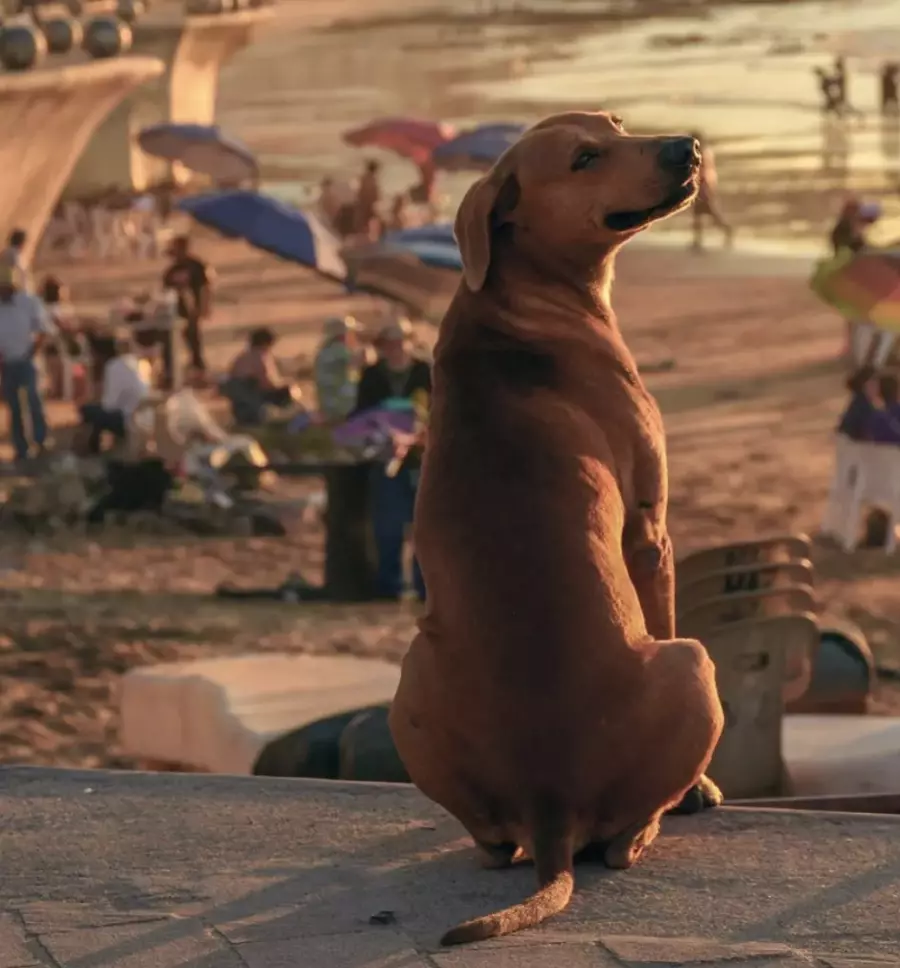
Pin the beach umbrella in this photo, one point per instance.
(478, 148)
(408, 137)
(400, 275)
(202, 148)
(272, 226)
(441, 233)
(436, 255)
(863, 285)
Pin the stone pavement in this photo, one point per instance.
(157, 871)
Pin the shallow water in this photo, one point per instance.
(741, 74)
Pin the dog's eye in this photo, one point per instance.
(586, 158)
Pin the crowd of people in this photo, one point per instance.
(834, 88)
(363, 212)
(132, 365)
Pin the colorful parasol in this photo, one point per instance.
(408, 137)
(862, 285)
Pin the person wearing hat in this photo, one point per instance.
(126, 385)
(336, 368)
(395, 375)
(24, 327)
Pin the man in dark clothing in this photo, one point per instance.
(395, 375)
(191, 280)
(890, 99)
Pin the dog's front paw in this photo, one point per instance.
(702, 796)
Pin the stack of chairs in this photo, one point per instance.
(754, 608)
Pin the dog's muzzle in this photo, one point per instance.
(679, 155)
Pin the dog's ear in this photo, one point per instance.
(483, 209)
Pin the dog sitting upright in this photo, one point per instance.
(545, 701)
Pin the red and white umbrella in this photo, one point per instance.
(410, 138)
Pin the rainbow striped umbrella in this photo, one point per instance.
(862, 285)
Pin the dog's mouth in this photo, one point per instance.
(628, 221)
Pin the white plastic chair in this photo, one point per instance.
(876, 482)
(847, 455)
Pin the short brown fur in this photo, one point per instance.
(545, 701)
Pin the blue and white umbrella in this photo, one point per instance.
(440, 233)
(479, 147)
(436, 255)
(270, 225)
(202, 148)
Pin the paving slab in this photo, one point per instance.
(123, 869)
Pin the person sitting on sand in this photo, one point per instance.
(399, 215)
(336, 369)
(856, 419)
(126, 385)
(254, 381)
(706, 204)
(329, 202)
(884, 421)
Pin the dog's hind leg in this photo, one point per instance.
(702, 796)
(625, 850)
(498, 856)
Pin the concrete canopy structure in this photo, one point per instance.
(193, 49)
(47, 116)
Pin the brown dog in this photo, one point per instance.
(545, 701)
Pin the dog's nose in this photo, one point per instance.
(679, 153)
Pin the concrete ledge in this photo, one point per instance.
(121, 869)
(218, 714)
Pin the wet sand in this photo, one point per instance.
(741, 73)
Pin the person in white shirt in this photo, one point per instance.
(24, 326)
(126, 385)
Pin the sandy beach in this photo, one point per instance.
(750, 406)
(750, 402)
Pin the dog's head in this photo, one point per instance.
(576, 183)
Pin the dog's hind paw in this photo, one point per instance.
(702, 796)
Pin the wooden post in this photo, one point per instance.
(349, 550)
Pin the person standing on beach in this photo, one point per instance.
(395, 375)
(24, 326)
(12, 256)
(191, 280)
(368, 197)
(706, 205)
(890, 99)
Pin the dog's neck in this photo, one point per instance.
(547, 296)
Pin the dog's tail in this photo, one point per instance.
(553, 850)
